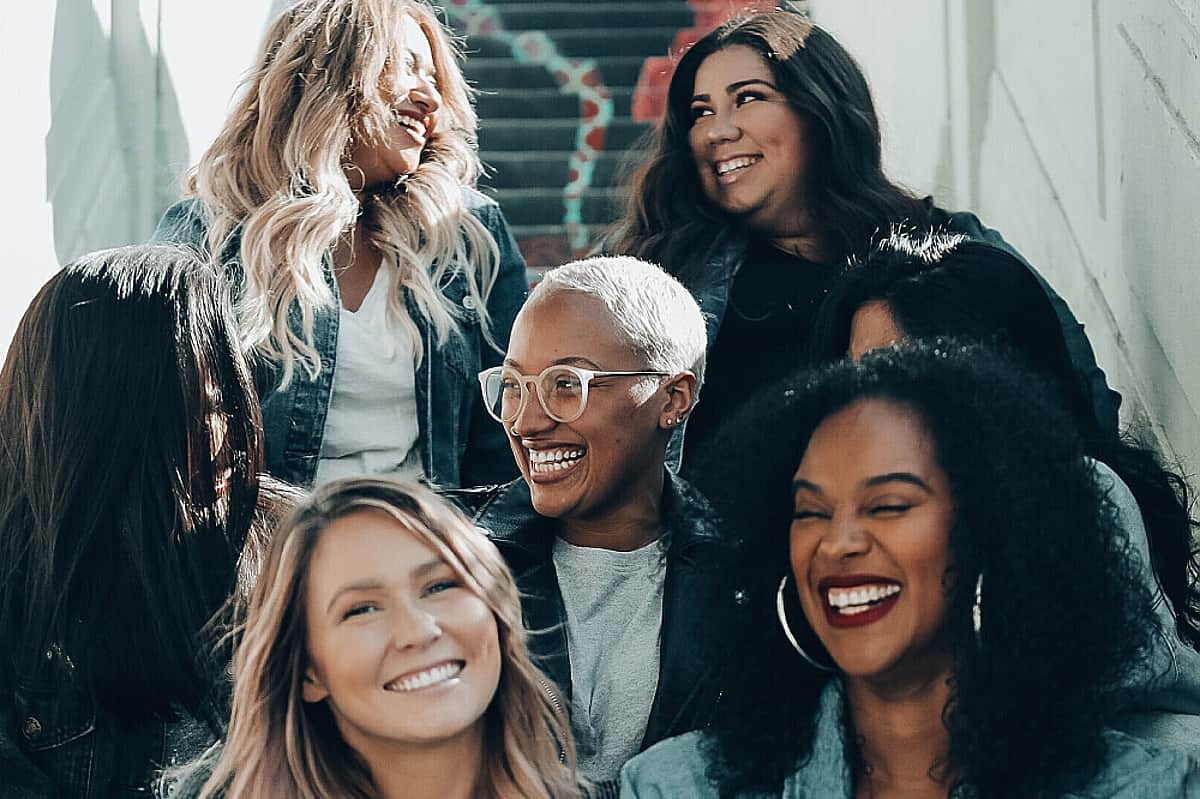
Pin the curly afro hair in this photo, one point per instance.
(1064, 615)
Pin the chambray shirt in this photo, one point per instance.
(674, 768)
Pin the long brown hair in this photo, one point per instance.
(668, 218)
(274, 176)
(130, 446)
(279, 745)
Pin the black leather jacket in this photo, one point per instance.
(700, 596)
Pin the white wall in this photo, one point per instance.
(107, 103)
(1073, 127)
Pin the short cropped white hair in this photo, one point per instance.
(651, 310)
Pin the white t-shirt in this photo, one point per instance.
(371, 427)
(614, 619)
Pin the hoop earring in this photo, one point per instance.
(513, 430)
(977, 610)
(787, 630)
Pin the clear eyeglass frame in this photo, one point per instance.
(491, 385)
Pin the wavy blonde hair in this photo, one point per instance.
(280, 745)
(275, 177)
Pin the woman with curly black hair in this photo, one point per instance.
(963, 601)
(924, 286)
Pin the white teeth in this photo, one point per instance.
(856, 600)
(725, 167)
(553, 460)
(411, 123)
(425, 678)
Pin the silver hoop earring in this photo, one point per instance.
(787, 630)
(513, 430)
(977, 609)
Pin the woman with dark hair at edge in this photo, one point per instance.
(764, 176)
(130, 443)
(383, 657)
(956, 606)
(926, 286)
(372, 279)
(625, 571)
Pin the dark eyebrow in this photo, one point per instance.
(733, 87)
(901, 477)
(870, 482)
(804, 485)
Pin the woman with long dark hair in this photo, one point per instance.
(130, 446)
(372, 279)
(765, 175)
(958, 607)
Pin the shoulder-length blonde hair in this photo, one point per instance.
(275, 178)
(280, 745)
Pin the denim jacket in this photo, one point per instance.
(1133, 769)
(57, 742)
(724, 257)
(460, 445)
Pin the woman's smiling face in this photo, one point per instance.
(613, 452)
(403, 652)
(870, 540)
(752, 149)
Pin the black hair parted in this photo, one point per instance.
(1065, 617)
(851, 199)
(941, 284)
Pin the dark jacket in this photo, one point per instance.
(56, 741)
(460, 445)
(724, 258)
(699, 596)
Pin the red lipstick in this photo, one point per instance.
(871, 612)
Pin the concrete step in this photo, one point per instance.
(542, 103)
(583, 43)
(505, 73)
(539, 135)
(527, 16)
(524, 169)
(542, 206)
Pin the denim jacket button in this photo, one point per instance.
(469, 303)
(31, 728)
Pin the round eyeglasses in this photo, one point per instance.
(562, 391)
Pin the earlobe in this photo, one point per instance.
(314, 690)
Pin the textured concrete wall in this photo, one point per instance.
(1072, 127)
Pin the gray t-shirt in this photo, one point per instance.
(614, 616)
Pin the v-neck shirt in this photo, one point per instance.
(372, 426)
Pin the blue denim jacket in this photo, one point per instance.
(1133, 769)
(57, 742)
(460, 444)
(725, 256)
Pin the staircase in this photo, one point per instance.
(555, 84)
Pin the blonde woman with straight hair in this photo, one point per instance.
(373, 280)
(383, 656)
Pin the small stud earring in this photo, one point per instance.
(670, 422)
